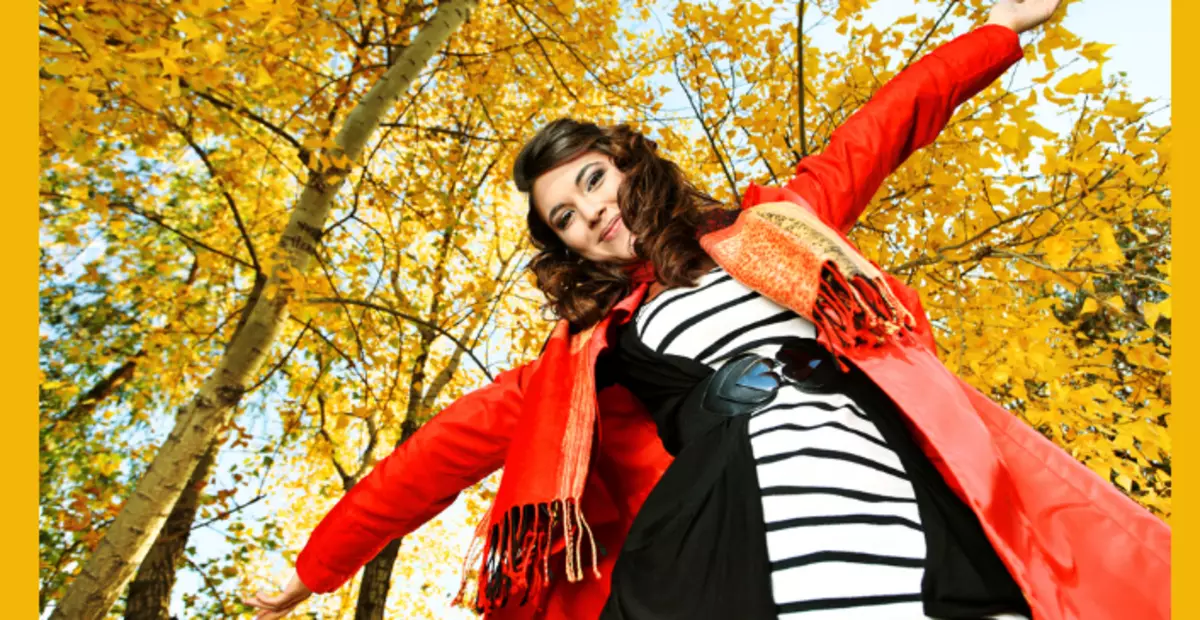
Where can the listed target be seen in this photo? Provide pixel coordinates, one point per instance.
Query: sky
(1141, 39)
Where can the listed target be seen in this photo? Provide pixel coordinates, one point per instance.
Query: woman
(740, 417)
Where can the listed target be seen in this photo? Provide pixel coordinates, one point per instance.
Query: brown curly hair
(658, 205)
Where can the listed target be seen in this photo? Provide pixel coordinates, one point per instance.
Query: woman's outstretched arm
(455, 449)
(909, 111)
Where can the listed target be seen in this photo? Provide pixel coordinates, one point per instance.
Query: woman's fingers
(274, 606)
(269, 603)
(262, 600)
(1022, 15)
(270, 608)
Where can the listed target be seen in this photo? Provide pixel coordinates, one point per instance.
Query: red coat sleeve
(455, 449)
(904, 115)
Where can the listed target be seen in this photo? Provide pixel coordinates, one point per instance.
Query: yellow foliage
(1088, 81)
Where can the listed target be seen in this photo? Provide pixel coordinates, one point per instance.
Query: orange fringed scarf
(780, 249)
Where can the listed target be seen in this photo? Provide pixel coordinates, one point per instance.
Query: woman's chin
(627, 255)
(620, 250)
(629, 251)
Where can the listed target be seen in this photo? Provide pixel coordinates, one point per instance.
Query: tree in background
(172, 131)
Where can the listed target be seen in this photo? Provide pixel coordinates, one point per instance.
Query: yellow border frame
(19, 256)
(1185, 565)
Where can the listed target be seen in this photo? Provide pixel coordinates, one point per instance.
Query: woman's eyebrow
(583, 171)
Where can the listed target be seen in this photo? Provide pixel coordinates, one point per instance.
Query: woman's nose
(594, 213)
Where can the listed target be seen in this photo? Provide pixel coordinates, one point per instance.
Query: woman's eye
(595, 179)
(564, 219)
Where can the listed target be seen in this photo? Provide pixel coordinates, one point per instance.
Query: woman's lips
(612, 230)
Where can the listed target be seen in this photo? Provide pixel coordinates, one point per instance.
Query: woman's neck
(656, 287)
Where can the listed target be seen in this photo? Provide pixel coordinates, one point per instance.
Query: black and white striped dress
(843, 533)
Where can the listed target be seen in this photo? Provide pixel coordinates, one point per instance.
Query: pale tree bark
(149, 596)
(109, 569)
(150, 593)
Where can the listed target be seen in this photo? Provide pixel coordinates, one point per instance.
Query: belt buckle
(742, 385)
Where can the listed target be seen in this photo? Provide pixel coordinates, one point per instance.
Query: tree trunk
(104, 575)
(150, 593)
(377, 574)
(376, 580)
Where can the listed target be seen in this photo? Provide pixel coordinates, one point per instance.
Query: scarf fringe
(515, 554)
(856, 311)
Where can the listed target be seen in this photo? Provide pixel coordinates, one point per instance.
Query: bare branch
(800, 76)
(158, 219)
(225, 105)
(448, 132)
(212, 587)
(698, 111)
(347, 480)
(545, 54)
(281, 361)
(407, 317)
(921, 45)
(216, 177)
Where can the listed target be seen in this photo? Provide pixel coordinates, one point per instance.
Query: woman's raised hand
(1022, 15)
(282, 604)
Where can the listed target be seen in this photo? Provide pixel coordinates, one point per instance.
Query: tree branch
(226, 513)
(158, 219)
(407, 317)
(537, 40)
(212, 172)
(282, 360)
(273, 128)
(347, 480)
(929, 34)
(212, 588)
(708, 134)
(449, 132)
(800, 75)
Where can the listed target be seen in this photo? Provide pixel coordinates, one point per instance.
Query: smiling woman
(774, 435)
(587, 187)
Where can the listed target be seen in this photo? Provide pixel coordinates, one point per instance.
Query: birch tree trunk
(149, 595)
(109, 569)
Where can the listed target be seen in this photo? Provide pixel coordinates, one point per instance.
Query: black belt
(748, 381)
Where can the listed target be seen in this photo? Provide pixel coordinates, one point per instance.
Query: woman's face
(578, 199)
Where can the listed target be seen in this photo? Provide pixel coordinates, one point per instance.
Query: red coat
(1077, 547)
